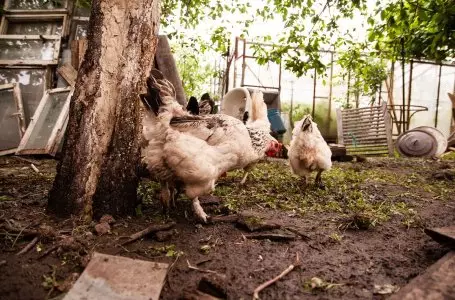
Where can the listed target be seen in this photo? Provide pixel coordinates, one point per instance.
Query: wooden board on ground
(437, 283)
(115, 277)
(444, 235)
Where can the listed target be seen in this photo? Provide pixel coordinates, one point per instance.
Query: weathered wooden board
(68, 73)
(437, 283)
(444, 235)
(114, 277)
(78, 48)
(365, 130)
(165, 62)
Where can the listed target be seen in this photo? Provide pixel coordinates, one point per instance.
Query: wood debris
(297, 263)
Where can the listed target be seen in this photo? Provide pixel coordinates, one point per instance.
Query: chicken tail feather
(160, 92)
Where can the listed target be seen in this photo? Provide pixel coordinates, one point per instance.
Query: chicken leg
(318, 181)
(199, 211)
(165, 195)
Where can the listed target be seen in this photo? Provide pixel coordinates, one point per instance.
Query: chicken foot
(199, 211)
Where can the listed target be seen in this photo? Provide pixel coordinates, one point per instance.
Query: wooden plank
(365, 134)
(349, 139)
(340, 126)
(20, 108)
(437, 283)
(165, 62)
(444, 235)
(78, 48)
(68, 73)
(367, 108)
(359, 120)
(389, 129)
(371, 128)
(115, 277)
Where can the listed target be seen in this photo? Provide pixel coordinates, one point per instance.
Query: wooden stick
(29, 246)
(272, 281)
(146, 231)
(200, 270)
(35, 168)
(48, 251)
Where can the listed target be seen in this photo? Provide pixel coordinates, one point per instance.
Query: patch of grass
(361, 194)
(148, 190)
(5, 198)
(449, 156)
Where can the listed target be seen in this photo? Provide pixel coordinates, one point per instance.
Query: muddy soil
(349, 259)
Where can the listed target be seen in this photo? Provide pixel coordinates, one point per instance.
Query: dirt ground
(364, 229)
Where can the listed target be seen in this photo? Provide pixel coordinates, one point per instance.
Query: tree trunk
(98, 170)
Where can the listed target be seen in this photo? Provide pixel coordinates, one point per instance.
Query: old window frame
(57, 133)
(11, 18)
(54, 60)
(19, 114)
(63, 9)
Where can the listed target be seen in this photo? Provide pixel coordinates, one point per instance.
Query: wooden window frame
(19, 114)
(54, 61)
(58, 131)
(6, 19)
(64, 9)
(47, 74)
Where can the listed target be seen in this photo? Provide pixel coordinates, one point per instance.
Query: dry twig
(29, 246)
(146, 231)
(34, 168)
(49, 251)
(200, 270)
(272, 281)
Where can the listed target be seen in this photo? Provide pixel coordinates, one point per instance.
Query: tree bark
(98, 170)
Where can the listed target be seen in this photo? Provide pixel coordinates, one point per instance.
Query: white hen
(309, 151)
(195, 150)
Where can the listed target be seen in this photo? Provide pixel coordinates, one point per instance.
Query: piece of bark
(271, 236)
(148, 230)
(213, 285)
(225, 219)
(256, 223)
(437, 283)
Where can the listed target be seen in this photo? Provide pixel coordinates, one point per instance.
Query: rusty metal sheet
(119, 278)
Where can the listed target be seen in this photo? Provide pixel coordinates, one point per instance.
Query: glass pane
(35, 27)
(9, 137)
(35, 4)
(32, 86)
(46, 121)
(81, 11)
(27, 49)
(81, 31)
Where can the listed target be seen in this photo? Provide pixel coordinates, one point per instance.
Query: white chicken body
(195, 150)
(309, 151)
